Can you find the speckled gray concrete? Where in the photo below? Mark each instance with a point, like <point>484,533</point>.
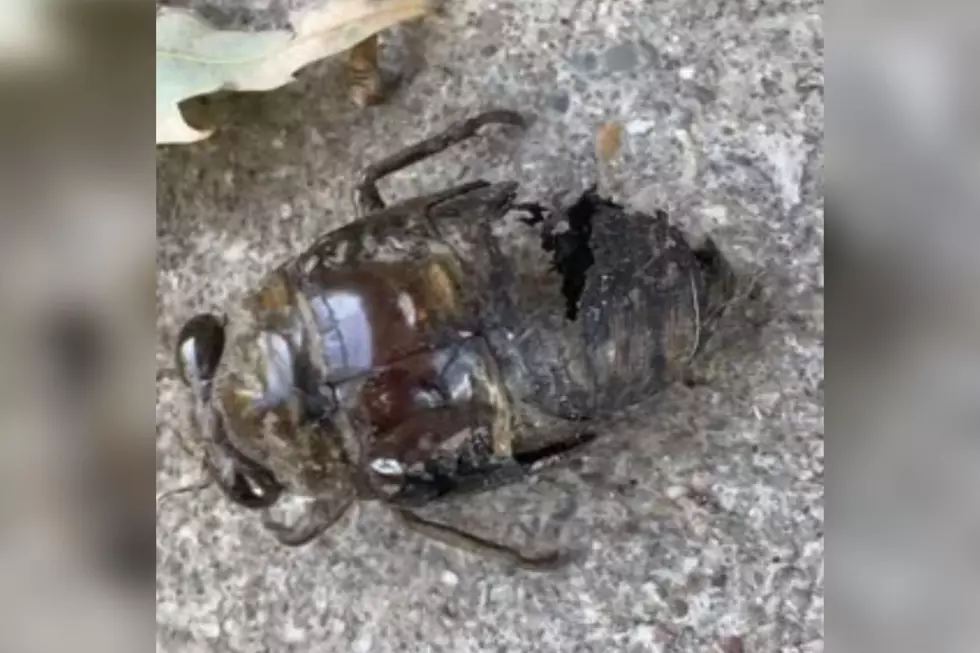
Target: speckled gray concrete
<point>702,521</point>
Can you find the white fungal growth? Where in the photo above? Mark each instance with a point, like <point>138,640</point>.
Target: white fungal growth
<point>407,307</point>
<point>387,467</point>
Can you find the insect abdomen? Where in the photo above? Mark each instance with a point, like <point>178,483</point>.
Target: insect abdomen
<point>636,303</point>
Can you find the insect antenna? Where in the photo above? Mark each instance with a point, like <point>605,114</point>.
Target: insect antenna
<point>197,486</point>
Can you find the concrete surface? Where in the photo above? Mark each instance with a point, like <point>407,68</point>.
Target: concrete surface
<point>703,522</point>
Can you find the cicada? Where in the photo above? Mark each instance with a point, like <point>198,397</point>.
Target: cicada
<point>446,344</point>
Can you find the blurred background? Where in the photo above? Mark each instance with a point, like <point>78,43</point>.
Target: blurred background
<point>77,216</point>
<point>77,289</point>
<point>904,432</point>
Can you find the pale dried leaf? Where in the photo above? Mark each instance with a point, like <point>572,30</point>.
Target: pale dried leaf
<point>194,58</point>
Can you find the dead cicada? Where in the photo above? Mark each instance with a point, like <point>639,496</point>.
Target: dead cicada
<point>427,349</point>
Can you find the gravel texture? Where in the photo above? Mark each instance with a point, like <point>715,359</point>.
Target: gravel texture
<point>701,521</point>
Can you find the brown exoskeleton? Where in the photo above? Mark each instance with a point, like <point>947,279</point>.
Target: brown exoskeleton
<point>365,86</point>
<point>420,351</point>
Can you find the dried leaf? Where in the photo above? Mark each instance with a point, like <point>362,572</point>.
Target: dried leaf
<point>194,58</point>
<point>608,141</point>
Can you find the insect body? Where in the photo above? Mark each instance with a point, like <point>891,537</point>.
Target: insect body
<point>427,349</point>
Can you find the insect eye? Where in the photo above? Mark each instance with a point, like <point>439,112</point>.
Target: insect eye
<point>200,344</point>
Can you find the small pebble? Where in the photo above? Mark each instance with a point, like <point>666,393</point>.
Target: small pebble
<point>732,644</point>
<point>363,643</point>
<point>719,214</point>
<point>635,127</point>
<point>679,607</point>
<point>559,102</point>
<point>701,482</point>
<point>622,57</point>
<point>449,579</point>
<point>675,492</point>
<point>586,62</point>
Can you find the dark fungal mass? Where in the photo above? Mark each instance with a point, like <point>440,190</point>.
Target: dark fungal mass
<point>571,252</point>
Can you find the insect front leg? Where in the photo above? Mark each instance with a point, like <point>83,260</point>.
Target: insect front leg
<point>448,451</point>
<point>528,461</point>
<point>241,480</point>
<point>321,515</point>
<point>367,197</point>
<point>321,474</point>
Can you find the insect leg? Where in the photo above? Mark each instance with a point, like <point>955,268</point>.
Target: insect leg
<point>363,73</point>
<point>367,197</point>
<point>530,461</point>
<point>242,481</point>
<point>314,522</point>
<point>468,542</point>
<point>552,454</point>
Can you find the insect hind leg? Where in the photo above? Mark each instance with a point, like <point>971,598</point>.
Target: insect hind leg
<point>368,199</point>
<point>465,541</point>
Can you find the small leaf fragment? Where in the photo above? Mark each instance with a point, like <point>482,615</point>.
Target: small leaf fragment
<point>608,141</point>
